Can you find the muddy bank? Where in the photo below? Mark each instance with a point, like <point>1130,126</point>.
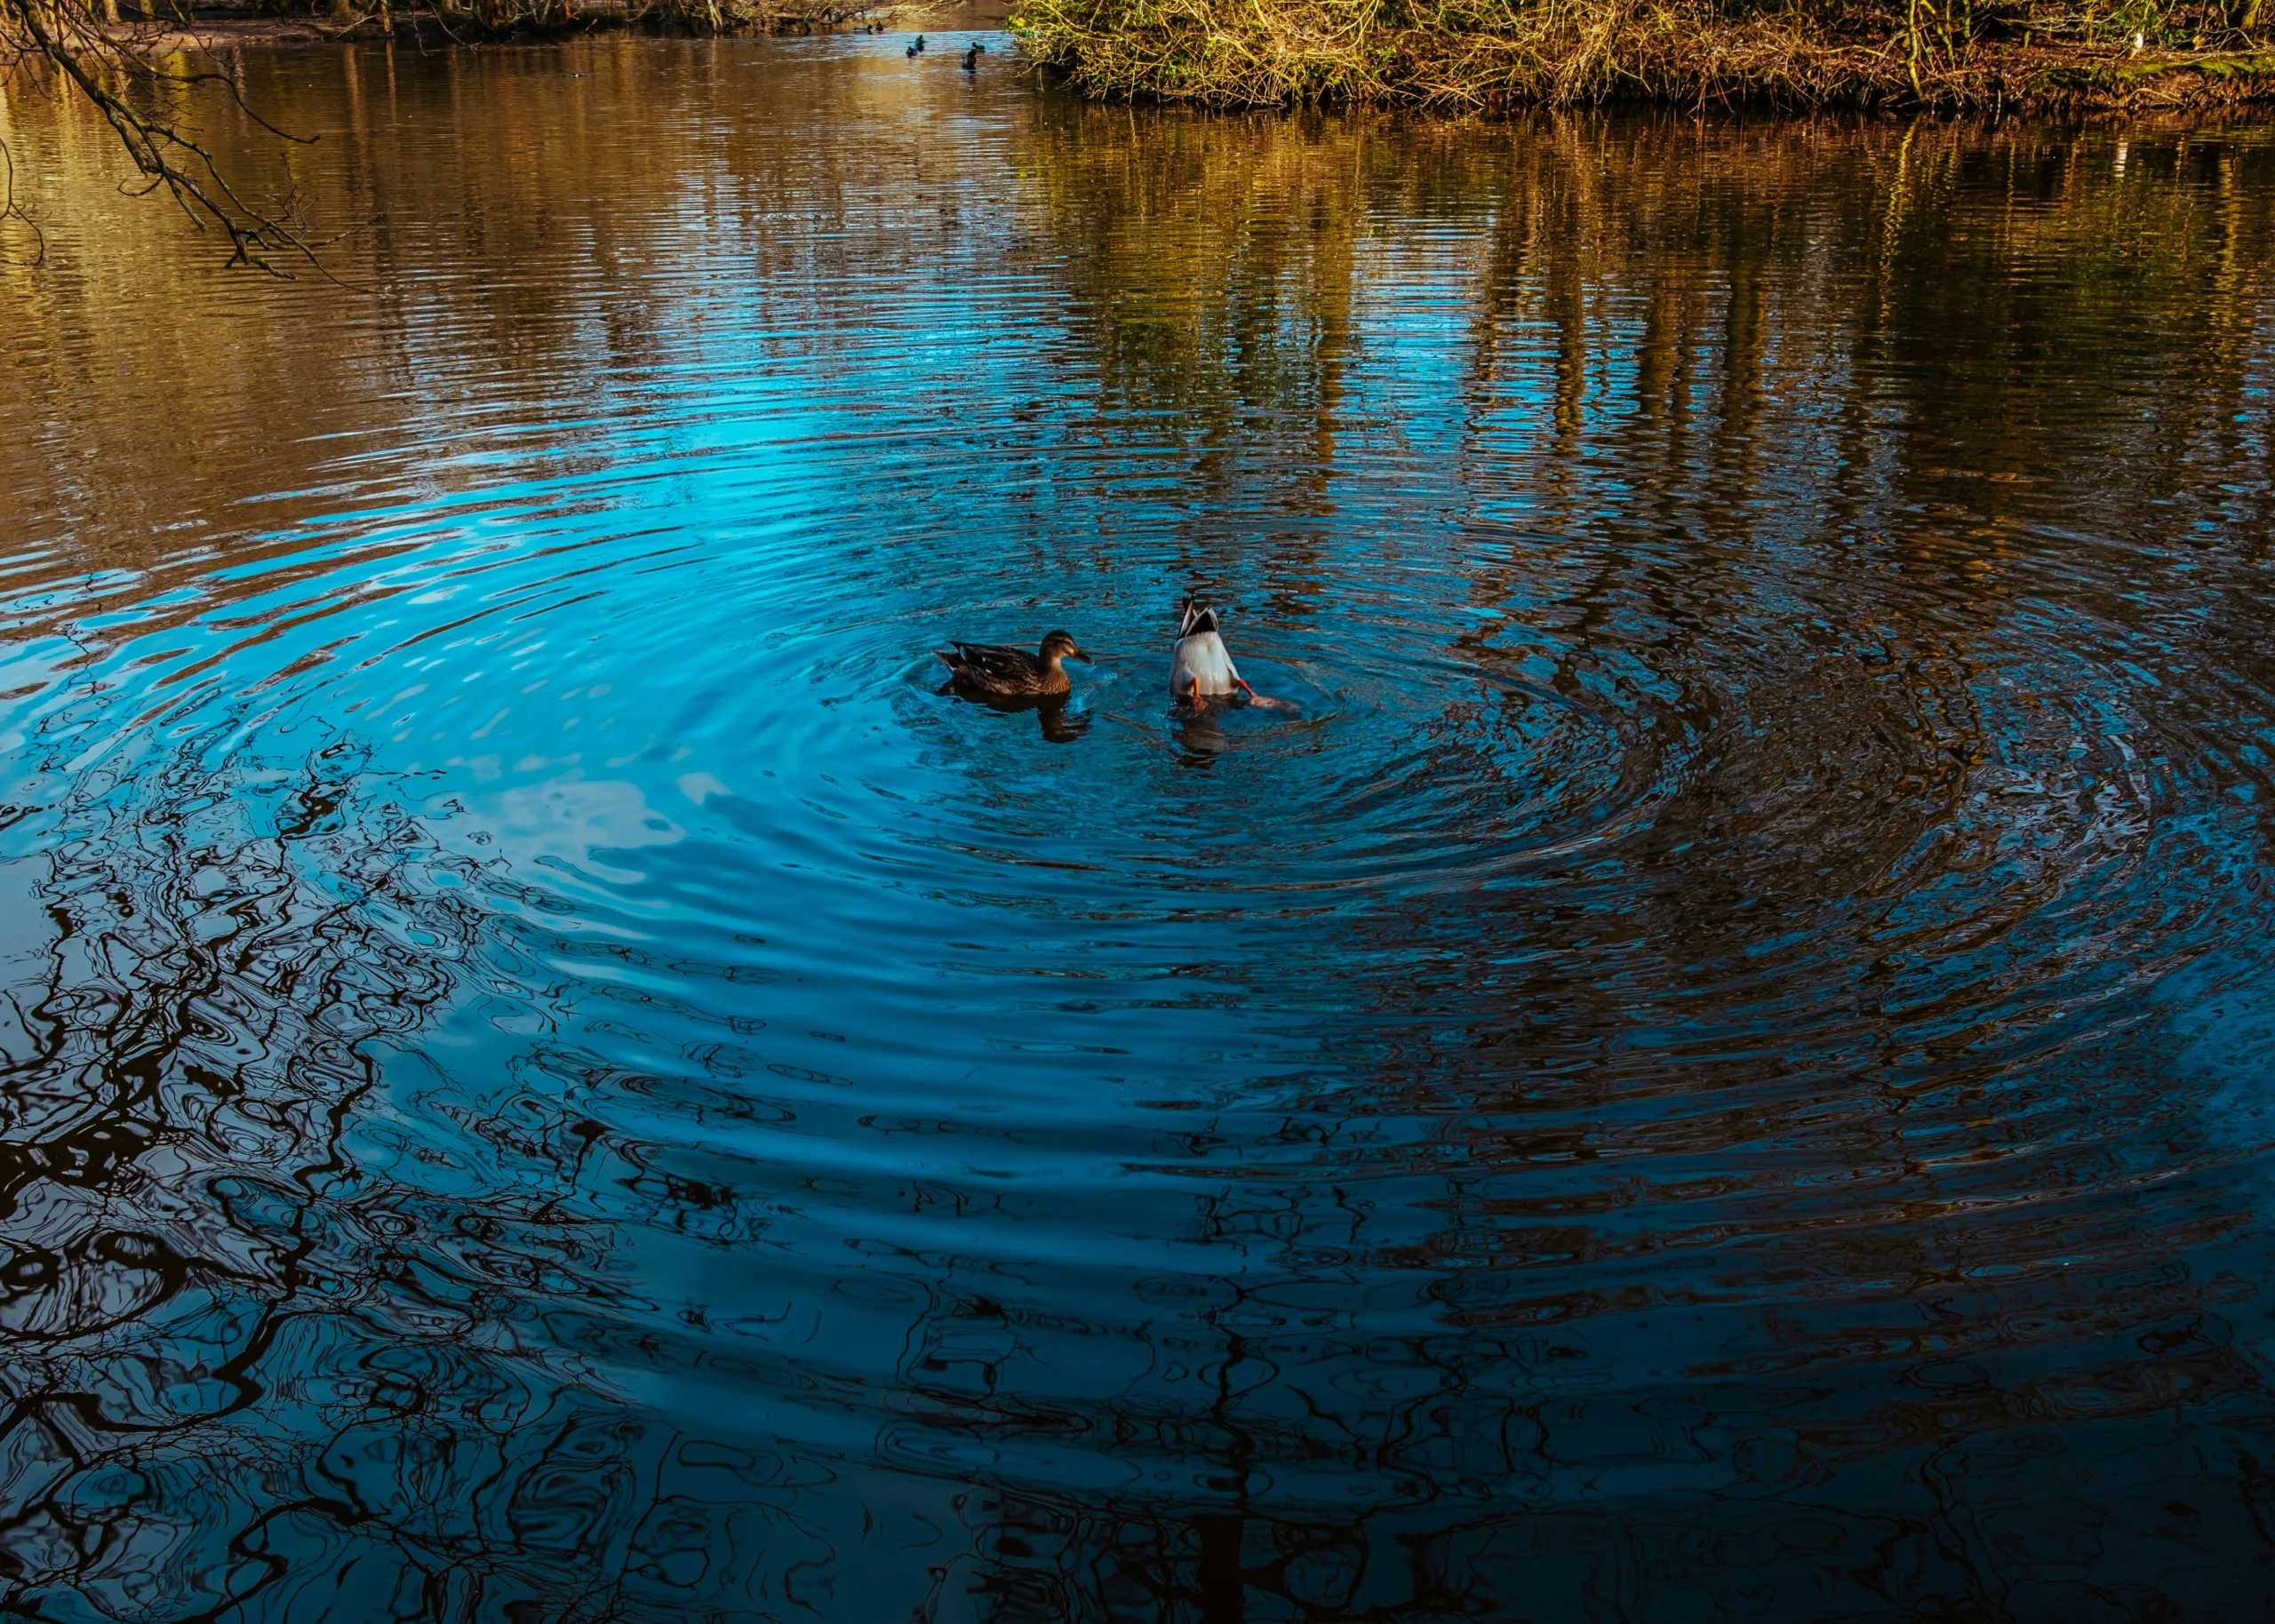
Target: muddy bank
<point>220,30</point>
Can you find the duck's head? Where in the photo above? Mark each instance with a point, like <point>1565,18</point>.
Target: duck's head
<point>1061,646</point>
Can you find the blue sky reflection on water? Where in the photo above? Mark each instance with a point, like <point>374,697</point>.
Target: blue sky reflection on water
<point>1709,1061</point>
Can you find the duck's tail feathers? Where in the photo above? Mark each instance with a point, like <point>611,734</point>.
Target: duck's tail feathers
<point>1194,616</point>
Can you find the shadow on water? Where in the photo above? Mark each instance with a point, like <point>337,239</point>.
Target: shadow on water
<point>1055,719</point>
<point>1207,729</point>
<point>1709,1063</point>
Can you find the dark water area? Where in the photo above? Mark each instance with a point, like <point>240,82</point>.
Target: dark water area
<point>1712,1063</point>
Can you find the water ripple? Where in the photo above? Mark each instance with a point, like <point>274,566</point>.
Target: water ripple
<point>1707,1057</point>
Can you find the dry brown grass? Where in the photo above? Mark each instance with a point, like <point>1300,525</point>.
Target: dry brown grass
<point>1473,53</point>
<point>495,17</point>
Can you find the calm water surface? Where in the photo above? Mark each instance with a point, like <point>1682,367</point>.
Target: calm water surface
<point>1713,1063</point>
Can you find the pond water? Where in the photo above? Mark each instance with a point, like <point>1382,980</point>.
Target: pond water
<point>1711,1062</point>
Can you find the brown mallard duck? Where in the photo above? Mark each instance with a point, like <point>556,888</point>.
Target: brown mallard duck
<point>990,668</point>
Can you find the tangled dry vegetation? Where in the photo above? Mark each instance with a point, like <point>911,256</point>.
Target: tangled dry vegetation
<point>494,17</point>
<point>73,26</point>
<point>1951,54</point>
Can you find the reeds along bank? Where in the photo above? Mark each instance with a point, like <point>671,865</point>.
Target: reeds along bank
<point>1952,53</point>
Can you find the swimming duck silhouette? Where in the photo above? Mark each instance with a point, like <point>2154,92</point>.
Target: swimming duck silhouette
<point>971,59</point>
<point>991,668</point>
<point>1202,667</point>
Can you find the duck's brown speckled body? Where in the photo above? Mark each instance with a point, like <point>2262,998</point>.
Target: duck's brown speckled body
<point>991,668</point>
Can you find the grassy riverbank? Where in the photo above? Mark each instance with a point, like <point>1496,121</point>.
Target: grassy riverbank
<point>1941,54</point>
<point>1945,55</point>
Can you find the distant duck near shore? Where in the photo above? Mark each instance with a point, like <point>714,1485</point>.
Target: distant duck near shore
<point>971,56</point>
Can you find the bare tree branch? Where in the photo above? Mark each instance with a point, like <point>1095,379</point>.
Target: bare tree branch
<point>13,210</point>
<point>146,100</point>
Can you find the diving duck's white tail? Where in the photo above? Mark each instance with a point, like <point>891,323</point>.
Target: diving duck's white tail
<point>1200,662</point>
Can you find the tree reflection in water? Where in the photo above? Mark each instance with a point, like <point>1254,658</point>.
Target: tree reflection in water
<point>1711,1068</point>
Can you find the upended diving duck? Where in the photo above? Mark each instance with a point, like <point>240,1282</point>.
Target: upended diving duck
<point>1201,668</point>
<point>1012,673</point>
